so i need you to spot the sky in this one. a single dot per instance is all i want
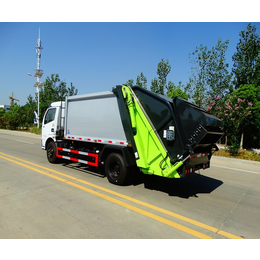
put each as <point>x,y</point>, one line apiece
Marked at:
<point>97,56</point>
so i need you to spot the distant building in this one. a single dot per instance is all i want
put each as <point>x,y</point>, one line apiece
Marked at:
<point>6,107</point>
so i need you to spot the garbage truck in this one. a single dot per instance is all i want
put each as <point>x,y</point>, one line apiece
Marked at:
<point>131,128</point>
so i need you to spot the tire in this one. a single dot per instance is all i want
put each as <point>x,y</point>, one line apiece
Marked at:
<point>51,152</point>
<point>116,169</point>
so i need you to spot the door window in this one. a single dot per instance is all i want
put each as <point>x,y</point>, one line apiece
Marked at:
<point>50,116</point>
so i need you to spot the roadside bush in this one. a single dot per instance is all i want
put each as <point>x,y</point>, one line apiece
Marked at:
<point>3,122</point>
<point>35,130</point>
<point>235,147</point>
<point>242,154</point>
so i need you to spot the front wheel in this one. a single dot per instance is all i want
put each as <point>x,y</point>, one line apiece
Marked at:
<point>51,152</point>
<point>116,170</point>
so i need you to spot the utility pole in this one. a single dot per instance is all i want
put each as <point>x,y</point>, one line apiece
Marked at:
<point>38,74</point>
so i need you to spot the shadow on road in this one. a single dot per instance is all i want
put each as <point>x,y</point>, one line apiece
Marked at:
<point>190,186</point>
<point>86,169</point>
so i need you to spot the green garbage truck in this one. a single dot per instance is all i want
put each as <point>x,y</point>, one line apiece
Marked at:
<point>129,128</point>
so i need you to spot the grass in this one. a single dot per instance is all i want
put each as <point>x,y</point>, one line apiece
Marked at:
<point>242,154</point>
<point>35,130</point>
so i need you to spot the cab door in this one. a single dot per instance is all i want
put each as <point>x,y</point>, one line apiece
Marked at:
<point>49,125</point>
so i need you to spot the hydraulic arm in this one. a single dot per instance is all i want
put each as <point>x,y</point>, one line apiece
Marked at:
<point>152,154</point>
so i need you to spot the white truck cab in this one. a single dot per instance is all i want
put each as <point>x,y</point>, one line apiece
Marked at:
<point>53,120</point>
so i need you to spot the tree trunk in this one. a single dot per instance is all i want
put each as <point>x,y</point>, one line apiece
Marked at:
<point>241,141</point>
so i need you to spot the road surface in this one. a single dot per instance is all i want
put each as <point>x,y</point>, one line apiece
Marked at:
<point>43,200</point>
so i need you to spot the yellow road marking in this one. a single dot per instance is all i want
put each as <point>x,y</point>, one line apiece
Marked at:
<point>188,220</point>
<point>133,208</point>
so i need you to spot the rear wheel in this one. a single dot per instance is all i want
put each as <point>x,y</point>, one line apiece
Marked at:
<point>116,169</point>
<point>51,152</point>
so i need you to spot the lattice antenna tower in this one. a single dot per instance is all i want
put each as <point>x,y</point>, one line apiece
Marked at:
<point>38,74</point>
<point>38,71</point>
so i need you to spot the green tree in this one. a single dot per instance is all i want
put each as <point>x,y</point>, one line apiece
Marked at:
<point>2,112</point>
<point>129,83</point>
<point>196,87</point>
<point>155,85</point>
<point>250,130</point>
<point>241,116</point>
<point>18,116</point>
<point>218,76</point>
<point>13,117</point>
<point>246,67</point>
<point>210,76</point>
<point>141,81</point>
<point>29,109</point>
<point>176,91</point>
<point>2,118</point>
<point>163,69</point>
<point>159,84</point>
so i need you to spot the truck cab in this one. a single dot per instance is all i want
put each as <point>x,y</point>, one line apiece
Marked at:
<point>52,123</point>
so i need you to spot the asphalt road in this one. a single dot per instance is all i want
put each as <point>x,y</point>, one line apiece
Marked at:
<point>43,200</point>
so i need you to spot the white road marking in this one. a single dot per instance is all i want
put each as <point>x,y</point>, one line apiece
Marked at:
<point>23,142</point>
<point>235,169</point>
